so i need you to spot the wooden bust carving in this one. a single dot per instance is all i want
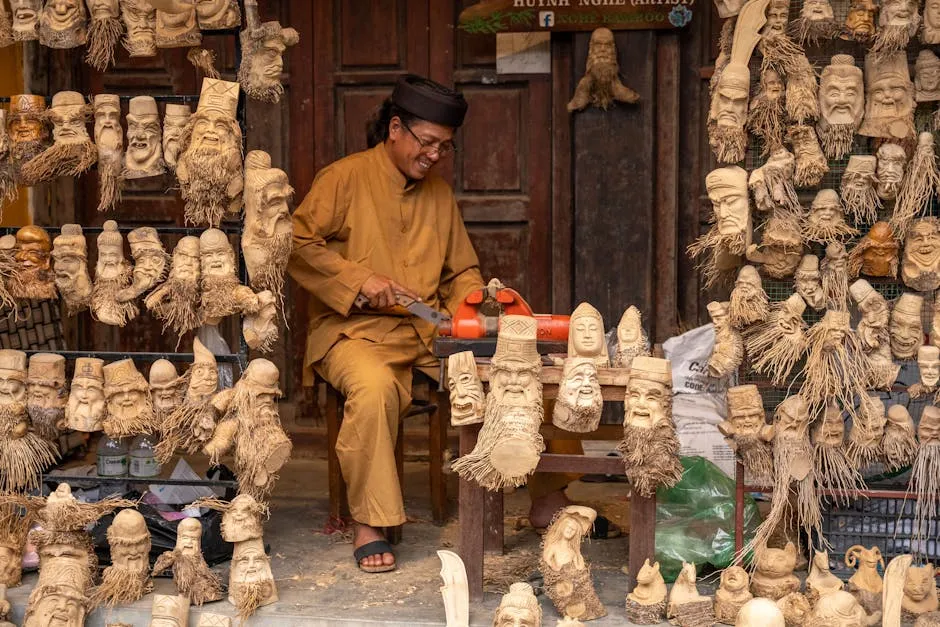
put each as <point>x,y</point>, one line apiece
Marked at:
<point>920,267</point>
<point>72,152</point>
<point>263,47</point>
<point>650,446</point>
<point>876,254</point>
<point>826,220</point>
<point>858,188</point>
<point>905,328</point>
<point>267,237</point>
<point>730,233</point>
<point>176,24</point>
<point>140,20</point>
<point>25,19</point>
<point>866,584</point>
<point>86,406</point>
<point>811,163</point>
<point>842,610</point>
<point>169,611</point>
<point>104,32</point>
<point>820,580</point>
<point>807,282</point>
<point>218,14</point>
<point>889,97</point>
<point>816,22</point>
<point>176,300</point>
<point>773,576</point>
<point>899,441</point>
<point>209,166</point>
<point>931,24</point>
<point>259,329</point>
<point>130,409</point>
<point>62,24</point>
<point>873,327</point>
<point>166,390</point>
<point>728,350</point>
<point>868,427</point>
<point>631,339</point>
<point>47,394</point>
<point>221,292</point>
<point>150,263</point>
<point>33,277</point>
<point>109,139</point>
<point>841,105</point>
<point>732,594</point>
<point>579,403</point>
<point>127,579</point>
<point>250,426</point>
<point>251,583</point>
<point>760,612</point>
<point>646,603</point>
<point>27,128</point>
<point>466,389</point>
<point>112,275</point>
<point>567,576</point>
<point>191,574</point>
<point>926,77</point>
<point>601,85</point>
<point>892,160</point>
<point>928,365</point>
<point>920,592</point>
<point>748,433</point>
<point>898,22</point>
<point>586,336</point>
<point>749,303</point>
<point>191,424</point>
<point>518,608</point>
<point>780,249</point>
<point>174,120</point>
<point>144,155</point>
<point>778,343</point>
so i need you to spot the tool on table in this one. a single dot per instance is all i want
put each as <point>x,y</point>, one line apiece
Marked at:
<point>412,306</point>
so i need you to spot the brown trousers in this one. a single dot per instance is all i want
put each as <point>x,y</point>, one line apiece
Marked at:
<point>375,378</point>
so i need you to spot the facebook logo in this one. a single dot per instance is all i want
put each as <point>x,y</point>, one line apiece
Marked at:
<point>546,19</point>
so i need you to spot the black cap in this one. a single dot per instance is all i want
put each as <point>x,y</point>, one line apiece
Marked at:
<point>429,100</point>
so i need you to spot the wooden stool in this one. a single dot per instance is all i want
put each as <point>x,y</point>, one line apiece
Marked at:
<point>427,400</point>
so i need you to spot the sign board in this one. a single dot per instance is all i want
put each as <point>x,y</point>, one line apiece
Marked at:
<point>517,16</point>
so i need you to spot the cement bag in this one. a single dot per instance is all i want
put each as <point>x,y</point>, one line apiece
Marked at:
<point>689,355</point>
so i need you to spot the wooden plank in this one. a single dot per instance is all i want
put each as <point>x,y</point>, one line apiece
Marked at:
<point>581,464</point>
<point>663,320</point>
<point>551,375</point>
<point>562,209</point>
<point>642,534</point>
<point>603,432</point>
<point>538,185</point>
<point>470,518</point>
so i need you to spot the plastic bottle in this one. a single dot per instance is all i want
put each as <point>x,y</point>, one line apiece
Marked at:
<point>143,457</point>
<point>112,457</point>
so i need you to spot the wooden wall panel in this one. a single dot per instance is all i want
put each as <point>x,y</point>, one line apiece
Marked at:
<point>493,158</point>
<point>474,51</point>
<point>355,107</point>
<point>499,247</point>
<point>369,33</point>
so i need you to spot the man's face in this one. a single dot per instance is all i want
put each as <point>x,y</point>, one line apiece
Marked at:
<point>68,124</point>
<point>59,610</point>
<point>747,420</point>
<point>125,401</point>
<point>108,131</point>
<point>732,106</point>
<point>143,139</point>
<point>185,268</point>
<point>825,214</point>
<point>42,395</point>
<point>858,181</point>
<point>63,13</point>
<point>138,18</point>
<point>25,14</point>
<point>587,335</point>
<point>896,13</point>
<point>176,20</point>
<point>218,262</point>
<point>12,390</point>
<point>149,266</point>
<point>213,132</point>
<point>25,128</point>
<point>513,383</point>
<point>466,394</point>
<point>172,129</point>
<point>890,170</point>
<point>249,565</point>
<point>203,380</point>
<point>731,209</point>
<point>10,564</point>
<point>816,10</point>
<point>835,336</point>
<point>516,617</point>
<point>922,244</point>
<point>810,287</point>
<point>929,371</point>
<point>628,334</point>
<point>273,208</point>
<point>165,399</point>
<point>906,333</point>
<point>33,255</point>
<point>928,431</point>
<point>773,85</point>
<point>880,256</point>
<point>268,62</point>
<point>103,9</point>
<point>841,99</point>
<point>416,151</point>
<point>86,391</point>
<point>240,522</point>
<point>645,403</point>
<point>131,557</point>
<point>189,542</point>
<point>110,259</point>
<point>890,97</point>
<point>777,15</point>
<point>932,14</point>
<point>581,388</point>
<point>789,324</point>
<point>928,78</point>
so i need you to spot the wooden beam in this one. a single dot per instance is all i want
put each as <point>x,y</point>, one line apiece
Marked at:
<point>664,316</point>
<point>471,519</point>
<point>562,210</point>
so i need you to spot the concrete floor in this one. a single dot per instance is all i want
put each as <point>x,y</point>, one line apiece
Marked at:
<point>319,583</point>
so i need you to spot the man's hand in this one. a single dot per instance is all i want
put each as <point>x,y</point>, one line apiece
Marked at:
<point>381,291</point>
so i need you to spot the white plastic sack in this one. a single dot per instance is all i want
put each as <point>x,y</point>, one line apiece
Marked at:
<point>689,355</point>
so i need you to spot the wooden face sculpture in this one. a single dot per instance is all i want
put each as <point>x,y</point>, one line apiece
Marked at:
<point>34,278</point>
<point>144,156</point>
<point>86,406</point>
<point>931,29</point>
<point>263,47</point>
<point>889,97</point>
<point>518,608</point>
<point>140,20</point>
<point>466,389</point>
<point>906,328</point>
<point>218,14</point>
<point>841,105</point>
<point>174,120</point>
<point>62,24</point>
<point>25,19</point>
<point>579,403</point>
<point>927,77</point>
<point>267,238</point>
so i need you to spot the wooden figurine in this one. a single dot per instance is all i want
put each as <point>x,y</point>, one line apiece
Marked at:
<point>109,139</point>
<point>820,580</point>
<point>858,188</point>
<point>267,237</point>
<point>868,427</point>
<point>898,22</point>
<point>889,97</point>
<point>876,254</point>
<point>927,77</point>
<point>631,339</point>
<point>169,611</point>
<point>841,609</point>
<point>688,608</point>
<point>176,300</point>
<point>73,151</point>
<point>259,329</point>
<point>27,128</point>
<point>748,433</point>
<point>209,166</point>
<point>176,24</point>
<point>773,576</point>
<point>127,579</point>
<point>832,466</point>
<point>920,265</point>
<point>579,403</point>
<point>650,446</point>
<point>892,160</point>
<point>875,316</point>
<point>930,33</point>
<point>86,407</point>
<point>816,23</point>
<point>218,14</point>
<point>25,19</point>
<point>601,85</point>
<point>866,584</point>
<point>905,329</point>
<point>140,21</point>
<point>144,155</point>
<point>47,395</point>
<point>811,163</point>
<point>772,184</point>
<point>104,32</point>
<point>730,234</point>
<point>15,521</point>
<point>150,263</point>
<point>33,277</point>
<point>925,474</point>
<point>928,365</point>
<point>466,390</point>
<point>518,608</point>
<point>860,21</point>
<point>899,442</point>
<point>728,350</point>
<point>767,111</point>
<point>454,590</point>
<point>263,47</point>
<point>760,612</point>
<point>190,426</point>
<point>175,119</point>
<point>586,336</point>
<point>807,281</point>
<point>920,592</point>
<point>191,574</point>
<point>892,595</point>
<point>732,595</point>
<point>780,249</point>
<point>826,220</point>
<point>63,24</point>
<point>166,390</point>
<point>222,294</point>
<point>749,303</point>
<point>567,576</point>
<point>112,275</point>
<point>646,603</point>
<point>779,342</point>
<point>130,410</point>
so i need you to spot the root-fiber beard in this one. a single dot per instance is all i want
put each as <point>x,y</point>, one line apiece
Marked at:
<point>757,457</point>
<point>60,159</point>
<point>835,375</point>
<point>110,183</point>
<point>780,186</point>
<point>205,191</point>
<point>191,575</point>
<point>104,304</point>
<point>773,352</point>
<point>176,303</point>
<point>802,92</point>
<point>828,231</point>
<point>248,596</point>
<point>918,189</point>
<point>836,139</point>
<point>219,296</point>
<point>33,284</point>
<point>808,31</point>
<point>125,426</point>
<point>270,275</point>
<point>713,245</point>
<point>21,459</point>
<point>103,36</point>
<point>835,472</point>
<point>899,445</point>
<point>864,446</point>
<point>765,119</point>
<point>651,457</point>
<point>729,143</point>
<point>45,421</point>
<point>8,188</point>
<point>894,37</point>
<point>835,283</point>
<point>179,430</point>
<point>24,152</point>
<point>604,74</point>
<point>810,168</point>
<point>271,91</point>
<point>747,308</point>
<point>121,585</point>
<point>925,484</point>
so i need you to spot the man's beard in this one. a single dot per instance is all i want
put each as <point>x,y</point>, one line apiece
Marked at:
<point>139,420</point>
<point>23,152</point>
<point>580,418</point>
<point>812,31</point>
<point>80,414</point>
<point>728,142</point>
<point>78,295</point>
<point>270,274</point>
<point>188,428</point>
<point>219,298</point>
<point>713,247</point>
<point>103,36</point>
<point>925,484</point>
<point>888,190</point>
<point>860,201</point>
<point>105,306</point>
<point>765,121</point>
<point>894,37</point>
<point>261,447</point>
<point>811,165</point>
<point>46,420</point>
<point>121,585</point>
<point>206,188</point>
<point>605,74</point>
<point>900,446</point>
<point>176,303</point>
<point>191,575</point>
<point>142,282</point>
<point>250,595</point>
<point>61,159</point>
<point>757,457</point>
<point>748,306</point>
<point>651,456</point>
<point>828,231</point>
<point>836,139</point>
<point>33,283</point>
<point>23,459</point>
<point>72,36</point>
<point>110,179</point>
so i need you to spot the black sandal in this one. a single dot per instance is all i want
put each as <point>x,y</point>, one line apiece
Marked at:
<point>376,547</point>
<point>604,529</point>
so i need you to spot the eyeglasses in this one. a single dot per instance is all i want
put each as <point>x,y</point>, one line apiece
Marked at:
<point>442,149</point>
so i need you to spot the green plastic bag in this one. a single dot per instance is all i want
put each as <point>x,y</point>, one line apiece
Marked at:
<point>695,519</point>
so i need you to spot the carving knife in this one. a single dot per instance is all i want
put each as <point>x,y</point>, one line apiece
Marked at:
<point>415,307</point>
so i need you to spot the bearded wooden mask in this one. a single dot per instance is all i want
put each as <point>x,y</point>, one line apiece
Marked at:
<point>727,191</point>
<point>144,155</point>
<point>841,105</point>
<point>263,47</point>
<point>906,328</point>
<point>34,278</point>
<point>518,608</point>
<point>72,151</point>
<point>808,282</point>
<point>62,24</point>
<point>251,583</point>
<point>166,387</point>
<point>47,393</point>
<point>898,21</point>
<point>27,127</point>
<point>931,29</point>
<point>927,77</point>
<point>130,409</point>
<point>140,20</point>
<point>104,32</point>
<point>174,120</point>
<point>921,264</point>
<point>892,160</point>
<point>176,24</point>
<point>466,390</point>
<point>112,277</point>
<point>86,406</point>
<point>242,519</point>
<point>579,403</point>
<point>889,97</point>
<point>860,20</point>
<point>778,13</point>
<point>858,188</point>
<point>109,136</point>
<point>25,19</point>
<point>150,262</point>
<point>267,238</point>
<point>70,255</point>
<point>218,14</point>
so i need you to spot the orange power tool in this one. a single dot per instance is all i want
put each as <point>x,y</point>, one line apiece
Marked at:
<point>478,316</point>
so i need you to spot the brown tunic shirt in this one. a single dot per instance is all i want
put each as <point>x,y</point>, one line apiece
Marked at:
<point>361,216</point>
